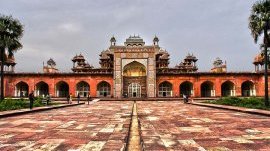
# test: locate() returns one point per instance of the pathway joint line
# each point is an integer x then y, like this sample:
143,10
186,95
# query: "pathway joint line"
134,140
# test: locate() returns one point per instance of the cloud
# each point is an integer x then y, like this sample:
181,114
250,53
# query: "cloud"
69,27
63,28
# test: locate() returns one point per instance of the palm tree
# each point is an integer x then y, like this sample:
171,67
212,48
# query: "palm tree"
259,24
11,31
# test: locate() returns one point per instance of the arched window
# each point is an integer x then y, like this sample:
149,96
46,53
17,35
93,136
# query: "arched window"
82,88
165,89
186,88
62,89
42,89
248,89
103,89
228,89
21,89
207,89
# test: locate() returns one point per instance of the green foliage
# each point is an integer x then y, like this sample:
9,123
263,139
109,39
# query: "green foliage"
252,102
14,104
9,104
259,19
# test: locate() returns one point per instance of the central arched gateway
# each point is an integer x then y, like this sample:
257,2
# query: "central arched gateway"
134,80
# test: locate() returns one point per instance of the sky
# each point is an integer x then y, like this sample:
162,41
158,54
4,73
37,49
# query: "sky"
63,28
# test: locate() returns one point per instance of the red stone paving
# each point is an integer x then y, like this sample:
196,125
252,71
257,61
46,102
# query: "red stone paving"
164,126
99,126
178,126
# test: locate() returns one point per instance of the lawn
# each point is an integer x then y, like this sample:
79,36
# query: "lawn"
14,104
252,102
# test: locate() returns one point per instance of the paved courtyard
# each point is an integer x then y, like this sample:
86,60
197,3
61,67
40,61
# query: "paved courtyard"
164,126
85,127
177,126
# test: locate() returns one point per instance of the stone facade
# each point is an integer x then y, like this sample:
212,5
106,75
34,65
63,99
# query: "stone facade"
135,70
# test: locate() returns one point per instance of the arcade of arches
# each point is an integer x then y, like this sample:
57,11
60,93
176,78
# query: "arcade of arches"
135,72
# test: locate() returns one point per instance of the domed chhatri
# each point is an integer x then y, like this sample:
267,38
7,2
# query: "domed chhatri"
9,62
219,66
134,41
80,64
50,67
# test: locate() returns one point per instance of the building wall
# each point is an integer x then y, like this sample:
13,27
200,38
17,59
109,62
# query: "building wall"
216,79
93,80
53,79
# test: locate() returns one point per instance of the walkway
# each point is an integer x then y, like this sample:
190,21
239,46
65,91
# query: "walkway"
156,125
86,127
177,126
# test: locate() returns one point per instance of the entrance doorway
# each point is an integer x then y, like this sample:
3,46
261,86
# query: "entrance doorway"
134,80
134,90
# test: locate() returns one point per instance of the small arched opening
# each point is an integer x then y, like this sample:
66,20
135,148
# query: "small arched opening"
42,89
228,89
62,89
207,89
82,89
248,89
103,89
186,88
21,89
165,89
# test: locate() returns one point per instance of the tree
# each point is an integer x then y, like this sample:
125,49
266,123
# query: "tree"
259,24
11,31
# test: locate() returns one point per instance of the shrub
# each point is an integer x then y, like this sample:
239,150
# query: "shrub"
251,102
14,104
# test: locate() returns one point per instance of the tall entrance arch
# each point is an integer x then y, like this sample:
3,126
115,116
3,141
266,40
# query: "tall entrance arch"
134,80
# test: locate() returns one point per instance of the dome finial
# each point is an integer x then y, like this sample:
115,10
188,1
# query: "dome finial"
155,40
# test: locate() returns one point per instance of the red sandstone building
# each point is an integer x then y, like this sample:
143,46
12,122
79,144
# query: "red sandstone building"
134,70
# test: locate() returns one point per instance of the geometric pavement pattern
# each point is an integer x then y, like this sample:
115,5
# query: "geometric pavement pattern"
163,126
103,125
178,126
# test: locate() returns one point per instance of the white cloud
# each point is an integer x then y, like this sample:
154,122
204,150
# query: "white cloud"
69,27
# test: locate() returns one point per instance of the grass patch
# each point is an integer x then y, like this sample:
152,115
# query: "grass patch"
14,104
252,102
